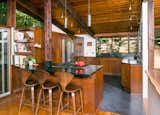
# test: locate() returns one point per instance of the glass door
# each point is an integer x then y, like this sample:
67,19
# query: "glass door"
4,62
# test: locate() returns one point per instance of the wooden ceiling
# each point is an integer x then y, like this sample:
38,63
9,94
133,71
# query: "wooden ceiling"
108,16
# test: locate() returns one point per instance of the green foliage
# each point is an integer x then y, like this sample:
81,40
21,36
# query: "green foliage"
157,41
3,13
24,20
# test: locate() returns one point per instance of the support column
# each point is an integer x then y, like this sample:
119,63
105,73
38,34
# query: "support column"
151,34
11,13
145,46
48,34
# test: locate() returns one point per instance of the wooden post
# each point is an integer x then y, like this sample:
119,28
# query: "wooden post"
48,32
11,13
151,34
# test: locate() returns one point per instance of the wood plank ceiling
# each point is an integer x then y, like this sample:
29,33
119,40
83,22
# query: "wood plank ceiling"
108,16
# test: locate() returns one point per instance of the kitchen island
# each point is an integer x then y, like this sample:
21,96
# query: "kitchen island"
89,78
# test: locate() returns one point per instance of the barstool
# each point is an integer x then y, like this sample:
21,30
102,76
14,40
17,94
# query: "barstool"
64,80
28,82
47,83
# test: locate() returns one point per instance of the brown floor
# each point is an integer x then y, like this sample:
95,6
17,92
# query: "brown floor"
9,106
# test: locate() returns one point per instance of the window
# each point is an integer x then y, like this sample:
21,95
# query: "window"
25,20
3,13
117,45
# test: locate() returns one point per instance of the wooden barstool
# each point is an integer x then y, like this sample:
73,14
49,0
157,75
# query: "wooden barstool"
28,82
47,83
64,80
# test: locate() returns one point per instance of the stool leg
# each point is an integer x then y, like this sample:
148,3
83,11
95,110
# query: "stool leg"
81,100
39,98
33,101
50,101
59,103
21,100
44,101
68,101
74,103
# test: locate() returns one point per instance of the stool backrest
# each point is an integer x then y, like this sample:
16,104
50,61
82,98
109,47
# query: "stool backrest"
64,79
41,76
24,74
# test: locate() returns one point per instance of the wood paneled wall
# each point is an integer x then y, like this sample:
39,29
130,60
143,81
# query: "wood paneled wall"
39,39
57,47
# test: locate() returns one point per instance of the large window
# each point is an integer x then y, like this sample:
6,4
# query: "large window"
25,20
118,45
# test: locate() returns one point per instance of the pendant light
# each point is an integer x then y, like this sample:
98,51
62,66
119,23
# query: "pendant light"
89,13
130,5
65,18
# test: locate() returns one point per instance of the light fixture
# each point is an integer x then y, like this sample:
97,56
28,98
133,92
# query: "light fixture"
62,15
89,13
65,18
130,5
72,24
79,30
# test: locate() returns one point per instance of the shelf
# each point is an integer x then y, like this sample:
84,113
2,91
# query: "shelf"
23,41
24,53
25,29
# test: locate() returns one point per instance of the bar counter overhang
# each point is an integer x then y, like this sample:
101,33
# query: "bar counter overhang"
89,78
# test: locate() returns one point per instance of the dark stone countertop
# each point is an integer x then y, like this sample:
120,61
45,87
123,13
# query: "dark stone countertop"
81,72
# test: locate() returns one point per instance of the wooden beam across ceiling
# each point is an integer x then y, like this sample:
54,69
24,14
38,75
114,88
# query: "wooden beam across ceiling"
29,8
77,17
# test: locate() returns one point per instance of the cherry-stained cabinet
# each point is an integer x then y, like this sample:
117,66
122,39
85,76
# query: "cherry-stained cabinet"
131,78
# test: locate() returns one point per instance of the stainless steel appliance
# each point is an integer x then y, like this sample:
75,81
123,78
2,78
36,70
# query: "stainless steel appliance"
67,50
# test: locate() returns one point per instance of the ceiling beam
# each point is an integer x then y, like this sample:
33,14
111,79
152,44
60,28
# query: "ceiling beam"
31,9
116,34
77,17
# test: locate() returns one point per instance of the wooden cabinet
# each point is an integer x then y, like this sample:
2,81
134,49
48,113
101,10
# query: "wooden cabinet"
112,66
16,79
131,78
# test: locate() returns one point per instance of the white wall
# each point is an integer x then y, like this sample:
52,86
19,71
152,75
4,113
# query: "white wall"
89,45
145,46
56,29
157,58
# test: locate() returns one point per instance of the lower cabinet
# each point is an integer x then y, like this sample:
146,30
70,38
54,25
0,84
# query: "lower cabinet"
111,66
16,79
131,78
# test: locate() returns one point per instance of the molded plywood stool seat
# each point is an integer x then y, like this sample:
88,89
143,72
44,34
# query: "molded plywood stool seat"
64,81
28,83
46,83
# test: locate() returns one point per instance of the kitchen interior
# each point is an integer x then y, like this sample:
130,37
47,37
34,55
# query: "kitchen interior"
115,58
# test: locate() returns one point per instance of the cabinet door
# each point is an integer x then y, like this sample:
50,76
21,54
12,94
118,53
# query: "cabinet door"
125,76
16,79
112,66
136,79
57,47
